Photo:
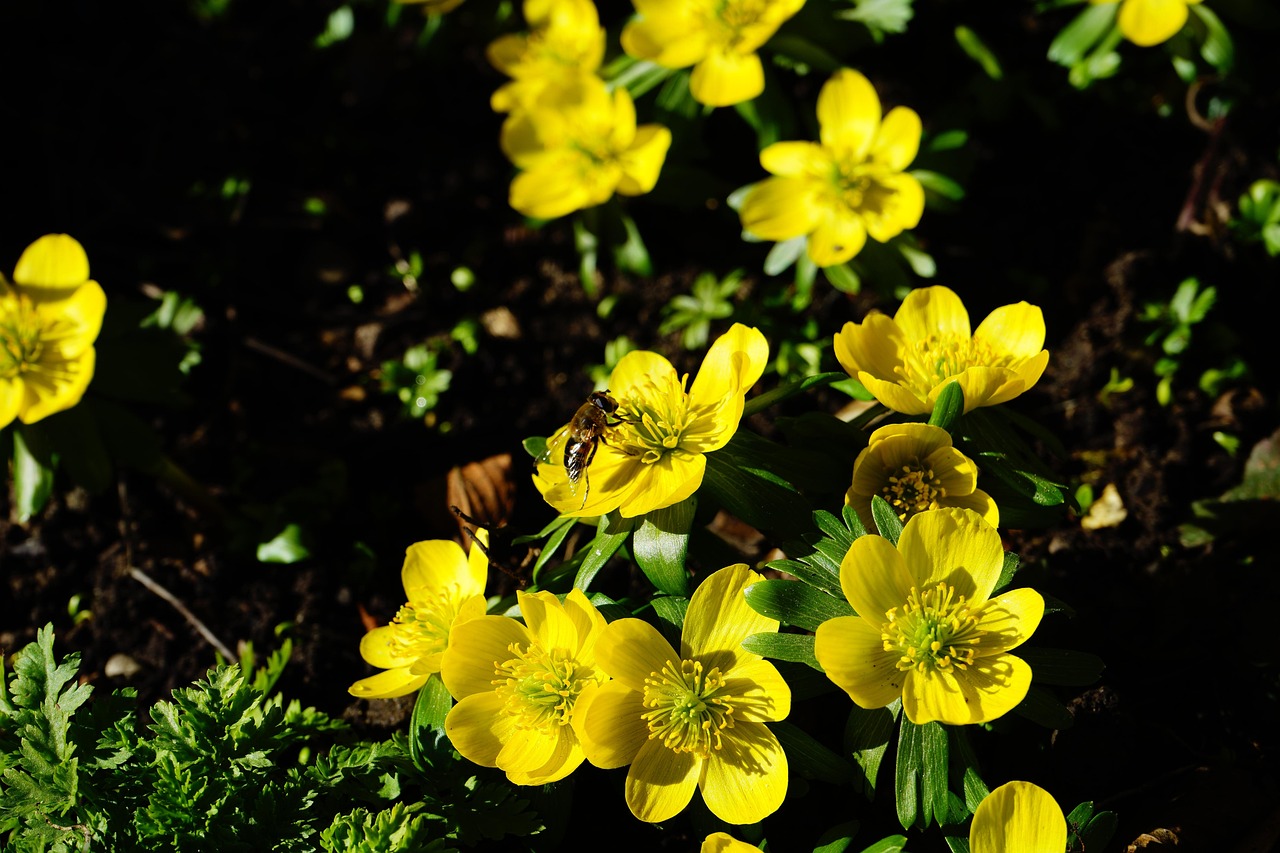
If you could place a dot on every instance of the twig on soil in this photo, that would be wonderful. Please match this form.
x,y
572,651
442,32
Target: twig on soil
x,y
291,360
142,578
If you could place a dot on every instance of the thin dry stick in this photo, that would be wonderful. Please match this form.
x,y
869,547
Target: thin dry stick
x,y
142,578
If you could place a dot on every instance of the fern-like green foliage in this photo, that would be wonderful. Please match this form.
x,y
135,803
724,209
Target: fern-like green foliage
x,y
223,765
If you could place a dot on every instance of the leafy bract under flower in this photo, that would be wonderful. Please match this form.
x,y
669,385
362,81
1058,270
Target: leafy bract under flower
x,y
577,146
1150,22
906,360
693,719
1018,817
847,187
445,588
719,38
565,42
517,686
656,456
49,320
915,468
928,630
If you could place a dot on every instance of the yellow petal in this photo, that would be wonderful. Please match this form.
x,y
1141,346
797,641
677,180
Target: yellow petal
x,y
388,685
984,386
1018,817
621,113
896,445
557,187
985,691
478,726
735,362
1009,620
875,345
745,781
1150,22
80,317
760,692
952,546
853,656
661,782
630,650
563,760
664,483
637,369
435,565
874,577
932,311
896,207
723,842
848,114
978,501
642,162
719,619
782,208
1013,330
726,77
607,721
378,648
531,749
43,396
55,261
796,159
894,396
11,392
870,475
898,141
505,53
475,648
547,622
1030,370
840,235
956,472
671,41
587,621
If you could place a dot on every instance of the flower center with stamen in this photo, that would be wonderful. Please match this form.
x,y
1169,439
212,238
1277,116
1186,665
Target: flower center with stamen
x,y
539,688
421,627
21,338
913,488
936,630
657,419
930,362
690,707
730,18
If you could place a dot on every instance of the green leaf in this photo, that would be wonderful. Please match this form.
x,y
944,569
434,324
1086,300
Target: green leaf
x,y
739,478
843,278
286,547
933,777
887,521
978,51
1008,570
838,838
866,738
809,758
670,611
949,406
612,531
1062,667
1090,831
1217,48
909,769
939,184
795,603
632,256
777,395
33,466
964,761
427,723
797,648
783,255
889,844
661,544
1079,37
81,450
1040,706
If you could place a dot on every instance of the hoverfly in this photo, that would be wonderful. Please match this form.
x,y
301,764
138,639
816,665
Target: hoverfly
x,y
582,437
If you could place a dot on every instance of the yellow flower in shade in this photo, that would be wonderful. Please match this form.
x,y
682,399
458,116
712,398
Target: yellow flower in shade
x,y
847,187
693,719
517,685
1150,22
723,842
445,588
719,38
656,456
565,41
49,319
1018,817
906,361
578,146
915,468
927,628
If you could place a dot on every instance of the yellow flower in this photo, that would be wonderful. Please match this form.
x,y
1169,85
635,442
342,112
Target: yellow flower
x,y
915,468
1018,817
49,320
850,185
445,588
565,41
656,457
517,685
693,719
927,628
578,146
1150,22
907,361
723,842
719,38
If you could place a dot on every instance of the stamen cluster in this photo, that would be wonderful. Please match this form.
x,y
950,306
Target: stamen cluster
x,y
538,687
690,707
935,630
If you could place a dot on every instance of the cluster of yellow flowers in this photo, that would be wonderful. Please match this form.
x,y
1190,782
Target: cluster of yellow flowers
x,y
536,699
574,138
50,316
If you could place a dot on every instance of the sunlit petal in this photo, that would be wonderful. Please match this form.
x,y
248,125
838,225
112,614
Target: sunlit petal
x,y
853,656
1009,620
719,618
932,312
475,649
985,691
782,208
848,114
726,77
746,780
388,685
607,720
1018,817
54,262
952,546
874,577
631,650
661,782
478,728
